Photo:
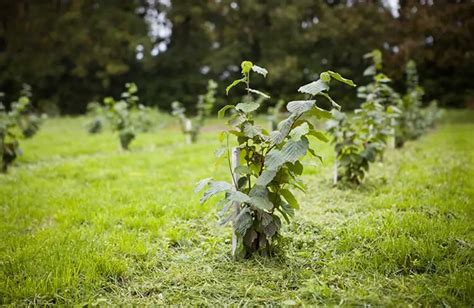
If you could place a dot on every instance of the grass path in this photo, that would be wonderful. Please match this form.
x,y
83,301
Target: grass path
x,y
85,224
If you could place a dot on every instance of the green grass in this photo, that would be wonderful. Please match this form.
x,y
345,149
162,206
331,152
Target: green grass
x,y
83,223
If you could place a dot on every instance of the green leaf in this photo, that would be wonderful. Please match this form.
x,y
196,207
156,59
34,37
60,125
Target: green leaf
x,y
299,131
325,77
238,196
320,113
259,70
246,66
266,177
370,71
290,198
222,111
242,170
300,107
338,77
261,203
314,87
259,93
243,221
233,84
247,107
215,188
200,185
291,152
318,134
252,131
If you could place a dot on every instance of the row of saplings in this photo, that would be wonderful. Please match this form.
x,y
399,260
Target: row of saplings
x,y
266,166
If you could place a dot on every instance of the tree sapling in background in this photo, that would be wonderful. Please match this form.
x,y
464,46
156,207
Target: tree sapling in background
x,y
16,124
205,104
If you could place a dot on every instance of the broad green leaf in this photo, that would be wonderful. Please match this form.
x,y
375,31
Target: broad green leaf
x,y
243,221
251,131
299,131
266,177
291,152
261,203
247,107
320,113
338,77
300,107
238,196
290,198
215,188
259,70
246,66
259,93
242,170
222,111
314,87
272,228
200,185
318,134
233,84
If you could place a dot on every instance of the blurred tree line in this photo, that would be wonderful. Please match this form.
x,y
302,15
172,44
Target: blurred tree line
x,y
75,51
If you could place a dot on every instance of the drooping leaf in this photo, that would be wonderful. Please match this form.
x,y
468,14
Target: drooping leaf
x,y
215,187
338,77
243,221
320,113
233,84
314,87
222,111
318,134
259,93
259,70
201,184
290,198
238,196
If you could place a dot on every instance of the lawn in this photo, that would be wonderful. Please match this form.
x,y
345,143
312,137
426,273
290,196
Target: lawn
x,y
84,223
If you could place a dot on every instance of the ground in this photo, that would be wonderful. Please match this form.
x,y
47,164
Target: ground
x,y
83,223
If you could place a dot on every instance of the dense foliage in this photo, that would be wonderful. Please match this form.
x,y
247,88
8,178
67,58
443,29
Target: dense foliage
x,y
191,127
91,48
266,165
16,124
384,117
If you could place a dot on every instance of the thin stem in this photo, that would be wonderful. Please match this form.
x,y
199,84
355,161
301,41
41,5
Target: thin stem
x,y
230,164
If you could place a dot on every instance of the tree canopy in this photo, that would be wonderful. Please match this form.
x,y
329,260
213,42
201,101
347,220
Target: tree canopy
x,y
72,52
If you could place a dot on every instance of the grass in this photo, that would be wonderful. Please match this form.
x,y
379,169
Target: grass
x,y
83,223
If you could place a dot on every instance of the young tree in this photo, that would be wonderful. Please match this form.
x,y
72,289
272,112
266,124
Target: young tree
x,y
16,124
192,127
265,166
